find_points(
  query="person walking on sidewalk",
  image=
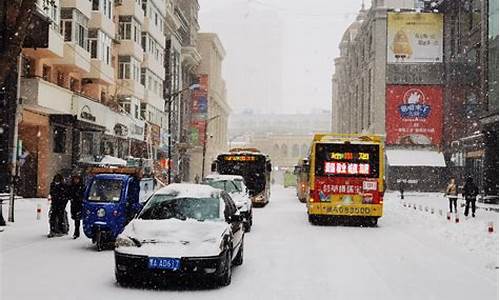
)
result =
(452, 194)
(470, 192)
(76, 190)
(58, 206)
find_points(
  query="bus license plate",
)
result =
(164, 263)
(351, 210)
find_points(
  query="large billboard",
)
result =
(414, 114)
(414, 37)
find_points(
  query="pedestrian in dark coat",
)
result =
(470, 192)
(59, 199)
(76, 190)
(452, 194)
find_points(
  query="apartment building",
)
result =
(95, 88)
(185, 60)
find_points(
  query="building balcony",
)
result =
(152, 64)
(54, 45)
(99, 21)
(130, 48)
(75, 58)
(131, 8)
(84, 6)
(150, 28)
(172, 22)
(37, 91)
(154, 100)
(190, 57)
(102, 72)
(130, 87)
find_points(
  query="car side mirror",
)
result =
(214, 167)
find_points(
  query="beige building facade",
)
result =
(284, 150)
(359, 81)
(212, 53)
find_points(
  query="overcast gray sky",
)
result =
(279, 52)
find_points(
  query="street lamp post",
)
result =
(205, 138)
(171, 98)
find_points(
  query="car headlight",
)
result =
(101, 212)
(122, 241)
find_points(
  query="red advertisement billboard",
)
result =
(200, 96)
(414, 114)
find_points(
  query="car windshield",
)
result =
(105, 190)
(161, 207)
(226, 185)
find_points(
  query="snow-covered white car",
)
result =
(183, 230)
(235, 186)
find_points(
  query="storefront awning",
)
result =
(415, 158)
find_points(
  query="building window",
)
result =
(129, 29)
(46, 72)
(60, 79)
(59, 139)
(129, 68)
(100, 46)
(136, 111)
(74, 27)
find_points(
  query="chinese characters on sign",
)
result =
(341, 189)
(240, 158)
(349, 156)
(414, 37)
(414, 114)
(333, 168)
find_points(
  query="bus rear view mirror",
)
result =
(269, 167)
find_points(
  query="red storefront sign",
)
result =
(414, 114)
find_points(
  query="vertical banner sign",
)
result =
(414, 114)
(199, 111)
(414, 37)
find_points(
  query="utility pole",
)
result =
(169, 112)
(205, 139)
(171, 98)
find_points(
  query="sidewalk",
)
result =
(438, 200)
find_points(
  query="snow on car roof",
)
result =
(188, 190)
(224, 177)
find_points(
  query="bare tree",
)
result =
(16, 21)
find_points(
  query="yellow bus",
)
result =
(346, 177)
(301, 171)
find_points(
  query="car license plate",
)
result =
(164, 263)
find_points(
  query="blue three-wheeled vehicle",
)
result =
(113, 196)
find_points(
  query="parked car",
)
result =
(235, 186)
(183, 230)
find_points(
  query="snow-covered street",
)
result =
(413, 254)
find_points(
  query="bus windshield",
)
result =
(250, 167)
(347, 160)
